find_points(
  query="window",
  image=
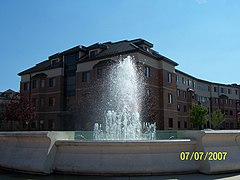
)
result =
(222, 90)
(177, 78)
(184, 94)
(170, 98)
(93, 53)
(178, 92)
(85, 76)
(203, 87)
(230, 101)
(194, 84)
(54, 62)
(226, 112)
(202, 99)
(26, 86)
(70, 64)
(216, 100)
(236, 91)
(51, 101)
(42, 102)
(169, 77)
(226, 101)
(185, 125)
(179, 124)
(178, 107)
(51, 124)
(42, 83)
(189, 82)
(229, 91)
(35, 102)
(215, 89)
(147, 71)
(231, 125)
(170, 122)
(185, 108)
(99, 73)
(52, 82)
(70, 91)
(70, 80)
(222, 110)
(34, 84)
(231, 112)
(71, 85)
(183, 80)
(146, 48)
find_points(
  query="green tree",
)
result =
(217, 118)
(198, 115)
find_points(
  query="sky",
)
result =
(202, 36)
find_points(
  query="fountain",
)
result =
(125, 93)
(123, 144)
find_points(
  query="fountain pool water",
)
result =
(123, 115)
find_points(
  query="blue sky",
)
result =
(203, 36)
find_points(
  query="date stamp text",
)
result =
(203, 156)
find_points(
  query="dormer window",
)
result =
(54, 62)
(93, 53)
(146, 48)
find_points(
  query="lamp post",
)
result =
(27, 123)
(41, 125)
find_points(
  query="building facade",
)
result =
(191, 90)
(68, 88)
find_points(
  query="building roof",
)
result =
(125, 46)
(39, 75)
(104, 63)
(205, 81)
(45, 65)
(107, 49)
(8, 93)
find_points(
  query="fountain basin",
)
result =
(30, 152)
(49, 152)
(123, 157)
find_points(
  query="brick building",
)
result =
(68, 87)
(211, 95)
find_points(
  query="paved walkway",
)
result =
(17, 176)
(235, 176)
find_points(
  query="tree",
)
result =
(1, 118)
(198, 115)
(217, 118)
(21, 110)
